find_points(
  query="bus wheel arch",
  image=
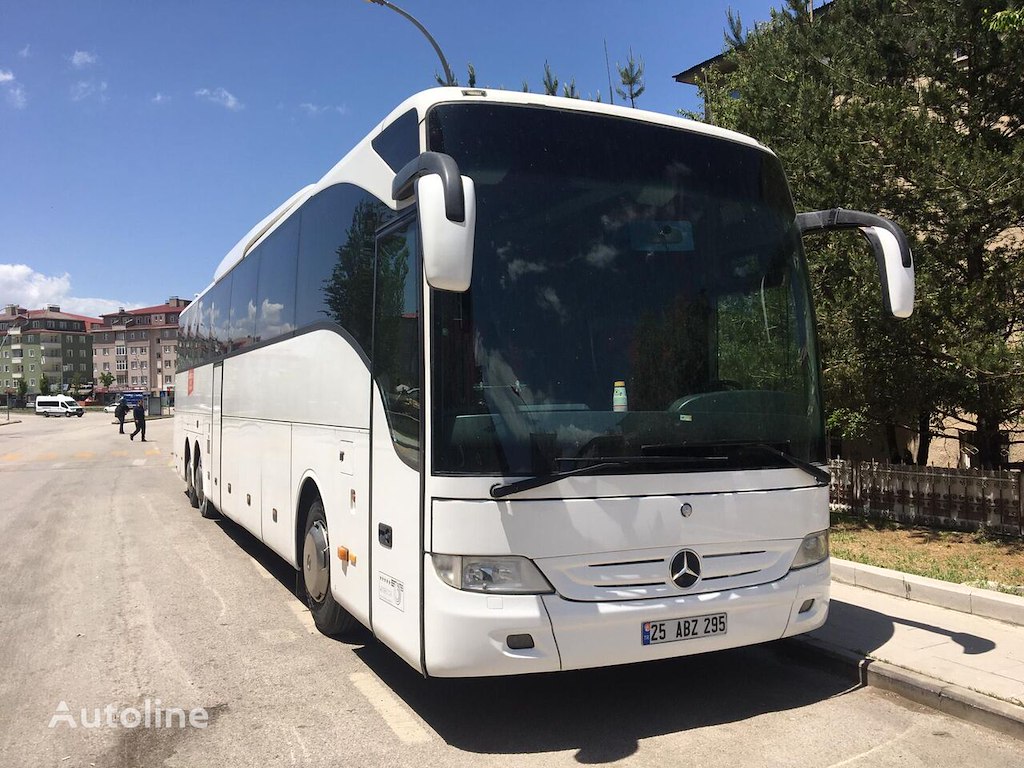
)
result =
(313, 553)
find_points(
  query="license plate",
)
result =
(670, 630)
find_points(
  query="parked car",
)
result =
(58, 405)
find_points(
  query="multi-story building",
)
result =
(137, 349)
(38, 345)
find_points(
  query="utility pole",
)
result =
(449, 80)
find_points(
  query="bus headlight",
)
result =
(813, 549)
(508, 574)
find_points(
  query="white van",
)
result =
(58, 405)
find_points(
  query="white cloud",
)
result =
(16, 96)
(14, 92)
(82, 59)
(319, 109)
(221, 97)
(25, 52)
(22, 285)
(89, 89)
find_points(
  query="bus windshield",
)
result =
(639, 301)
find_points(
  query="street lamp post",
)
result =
(449, 80)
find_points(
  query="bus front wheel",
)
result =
(329, 617)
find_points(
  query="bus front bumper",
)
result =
(474, 635)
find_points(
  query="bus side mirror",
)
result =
(887, 241)
(447, 215)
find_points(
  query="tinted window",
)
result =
(335, 272)
(399, 142)
(638, 291)
(218, 302)
(275, 306)
(242, 316)
(396, 347)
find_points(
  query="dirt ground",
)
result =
(963, 558)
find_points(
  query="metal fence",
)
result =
(963, 499)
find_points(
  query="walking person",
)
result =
(120, 412)
(139, 414)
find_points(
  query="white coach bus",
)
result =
(527, 384)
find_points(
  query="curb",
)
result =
(973, 600)
(12, 421)
(953, 700)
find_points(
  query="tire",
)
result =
(81, 414)
(315, 576)
(193, 498)
(206, 509)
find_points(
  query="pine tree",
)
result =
(632, 78)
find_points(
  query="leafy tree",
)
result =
(916, 109)
(44, 384)
(632, 78)
(22, 387)
(1009, 20)
(107, 378)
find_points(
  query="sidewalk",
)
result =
(938, 644)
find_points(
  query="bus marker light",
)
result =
(343, 554)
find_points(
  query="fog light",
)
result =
(519, 642)
(808, 604)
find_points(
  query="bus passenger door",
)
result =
(396, 514)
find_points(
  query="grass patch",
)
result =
(975, 559)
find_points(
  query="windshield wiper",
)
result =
(500, 490)
(822, 476)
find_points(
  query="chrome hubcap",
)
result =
(315, 564)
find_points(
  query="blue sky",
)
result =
(139, 140)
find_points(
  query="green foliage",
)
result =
(1010, 20)
(44, 384)
(550, 82)
(915, 110)
(22, 387)
(632, 79)
(107, 378)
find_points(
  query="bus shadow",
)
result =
(604, 713)
(269, 560)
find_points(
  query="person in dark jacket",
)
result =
(139, 414)
(120, 412)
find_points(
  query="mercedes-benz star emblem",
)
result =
(685, 568)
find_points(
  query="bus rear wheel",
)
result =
(206, 509)
(329, 617)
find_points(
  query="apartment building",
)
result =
(38, 343)
(137, 349)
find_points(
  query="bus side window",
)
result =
(396, 346)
